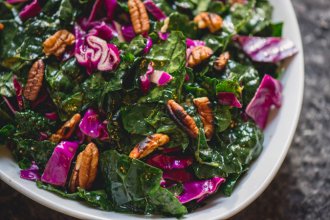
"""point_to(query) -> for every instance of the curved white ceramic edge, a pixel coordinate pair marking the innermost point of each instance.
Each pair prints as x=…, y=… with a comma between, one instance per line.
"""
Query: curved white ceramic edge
x=278, y=137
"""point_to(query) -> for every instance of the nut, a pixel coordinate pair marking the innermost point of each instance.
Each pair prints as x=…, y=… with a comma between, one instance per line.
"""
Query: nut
x=198, y=55
x=139, y=16
x=85, y=170
x=204, y=109
x=34, y=81
x=57, y=43
x=221, y=62
x=182, y=118
x=148, y=145
x=66, y=130
x=2, y=26
x=208, y=20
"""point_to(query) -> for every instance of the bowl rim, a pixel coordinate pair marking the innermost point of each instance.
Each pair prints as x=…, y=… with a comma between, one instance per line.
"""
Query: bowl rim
x=246, y=202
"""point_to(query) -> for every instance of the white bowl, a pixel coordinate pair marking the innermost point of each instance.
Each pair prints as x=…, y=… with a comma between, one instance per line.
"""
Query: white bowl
x=278, y=136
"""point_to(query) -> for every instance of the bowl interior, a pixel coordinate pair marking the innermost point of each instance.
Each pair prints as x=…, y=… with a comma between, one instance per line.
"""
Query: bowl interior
x=278, y=136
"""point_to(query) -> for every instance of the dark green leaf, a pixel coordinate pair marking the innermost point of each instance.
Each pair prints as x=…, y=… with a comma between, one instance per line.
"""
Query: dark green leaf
x=135, y=185
x=6, y=84
x=32, y=150
x=93, y=198
x=30, y=123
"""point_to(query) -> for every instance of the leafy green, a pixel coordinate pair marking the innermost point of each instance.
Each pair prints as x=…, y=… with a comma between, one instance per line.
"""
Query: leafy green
x=31, y=150
x=261, y=18
x=238, y=147
x=134, y=185
x=134, y=119
x=239, y=17
x=222, y=117
x=6, y=84
x=93, y=198
x=181, y=22
x=169, y=55
x=6, y=132
x=30, y=123
x=247, y=76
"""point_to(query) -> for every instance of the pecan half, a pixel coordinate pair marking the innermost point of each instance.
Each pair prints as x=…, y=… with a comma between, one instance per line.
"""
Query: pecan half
x=85, y=170
x=182, y=118
x=204, y=109
x=148, y=145
x=139, y=16
x=66, y=130
x=34, y=81
x=198, y=55
x=57, y=43
x=221, y=62
x=2, y=26
x=208, y=20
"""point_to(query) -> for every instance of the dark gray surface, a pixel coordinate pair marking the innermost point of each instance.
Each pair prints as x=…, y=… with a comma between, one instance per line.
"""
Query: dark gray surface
x=301, y=189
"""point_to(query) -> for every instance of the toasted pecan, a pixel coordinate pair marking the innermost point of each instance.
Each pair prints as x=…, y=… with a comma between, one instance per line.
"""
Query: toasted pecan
x=208, y=20
x=148, y=145
x=139, y=16
x=34, y=81
x=204, y=109
x=57, y=43
x=182, y=118
x=85, y=170
x=221, y=62
x=66, y=130
x=198, y=55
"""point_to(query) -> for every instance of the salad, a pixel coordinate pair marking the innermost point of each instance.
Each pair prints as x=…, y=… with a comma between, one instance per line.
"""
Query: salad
x=138, y=106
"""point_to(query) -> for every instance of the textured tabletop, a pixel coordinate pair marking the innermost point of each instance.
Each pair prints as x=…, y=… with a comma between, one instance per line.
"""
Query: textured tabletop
x=301, y=189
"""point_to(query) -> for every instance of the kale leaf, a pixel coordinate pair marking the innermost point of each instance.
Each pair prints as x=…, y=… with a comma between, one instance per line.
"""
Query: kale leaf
x=96, y=198
x=134, y=185
x=30, y=124
x=28, y=150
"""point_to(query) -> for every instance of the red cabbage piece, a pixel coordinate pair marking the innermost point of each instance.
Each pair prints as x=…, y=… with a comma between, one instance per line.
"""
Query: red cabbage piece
x=160, y=78
x=110, y=6
x=91, y=126
x=166, y=162
x=51, y=116
x=102, y=30
x=31, y=173
x=58, y=166
x=178, y=175
x=269, y=93
x=31, y=10
x=199, y=190
x=148, y=45
x=19, y=93
x=267, y=49
x=90, y=123
x=163, y=36
x=96, y=54
x=145, y=81
x=154, y=10
x=43, y=136
x=128, y=32
x=228, y=98
x=95, y=9
x=104, y=135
